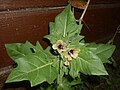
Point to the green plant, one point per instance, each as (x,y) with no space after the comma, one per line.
(62,63)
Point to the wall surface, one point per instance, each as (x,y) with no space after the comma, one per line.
(22,20)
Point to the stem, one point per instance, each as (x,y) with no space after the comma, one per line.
(111,40)
(81,18)
(60,76)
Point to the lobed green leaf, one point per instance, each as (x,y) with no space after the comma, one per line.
(34,66)
(64,27)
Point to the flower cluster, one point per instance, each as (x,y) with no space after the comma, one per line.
(68,53)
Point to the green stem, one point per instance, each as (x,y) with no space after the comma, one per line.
(117,31)
(60,76)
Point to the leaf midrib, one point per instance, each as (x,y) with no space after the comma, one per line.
(89,63)
(32,70)
(65,26)
(104,50)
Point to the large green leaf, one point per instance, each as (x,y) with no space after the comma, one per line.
(36,67)
(103,51)
(65,26)
(89,63)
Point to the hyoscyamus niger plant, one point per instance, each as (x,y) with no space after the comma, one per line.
(62,63)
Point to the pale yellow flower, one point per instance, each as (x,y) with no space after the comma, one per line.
(60,46)
(72,53)
(68,56)
(66,63)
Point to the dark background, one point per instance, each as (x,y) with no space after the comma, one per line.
(22,20)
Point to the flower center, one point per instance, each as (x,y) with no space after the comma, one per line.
(60,46)
(71,52)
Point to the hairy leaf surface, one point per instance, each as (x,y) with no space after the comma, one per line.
(35,67)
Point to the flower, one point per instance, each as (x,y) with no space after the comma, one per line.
(72,53)
(60,46)
(68,56)
(66,63)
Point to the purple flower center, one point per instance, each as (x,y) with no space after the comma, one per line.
(60,46)
(71,52)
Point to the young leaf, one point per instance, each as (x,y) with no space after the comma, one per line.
(65,26)
(65,22)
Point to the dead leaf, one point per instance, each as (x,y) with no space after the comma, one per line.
(78,3)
